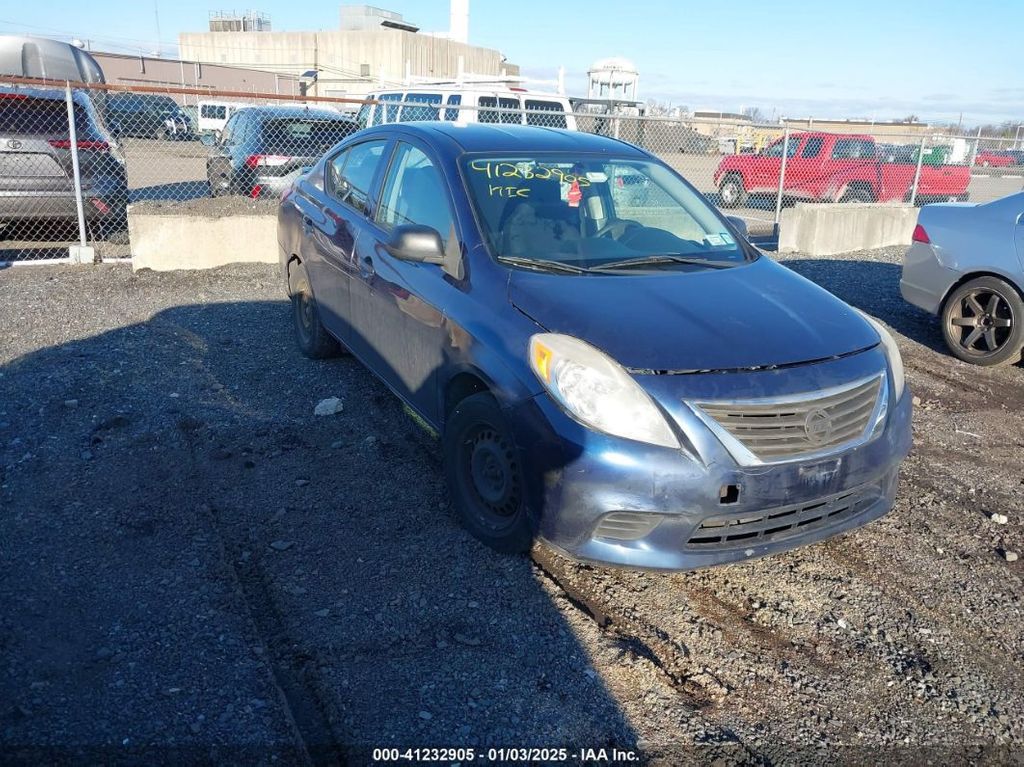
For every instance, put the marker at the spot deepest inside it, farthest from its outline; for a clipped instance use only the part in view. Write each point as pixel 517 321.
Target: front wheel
pixel 856 195
pixel 484 474
pixel 731 192
pixel 983 322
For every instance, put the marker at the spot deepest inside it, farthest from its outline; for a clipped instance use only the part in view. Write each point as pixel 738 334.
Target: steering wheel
pixel 616 228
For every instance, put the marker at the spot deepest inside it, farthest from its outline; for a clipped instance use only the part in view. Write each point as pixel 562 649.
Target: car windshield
pixel 594 213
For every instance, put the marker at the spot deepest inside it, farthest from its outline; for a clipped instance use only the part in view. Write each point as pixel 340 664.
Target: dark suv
pixel 262 149
pixel 145 115
pixel 35 160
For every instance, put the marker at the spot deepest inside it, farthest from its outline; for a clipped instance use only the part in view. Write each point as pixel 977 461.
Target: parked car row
pixel 996 158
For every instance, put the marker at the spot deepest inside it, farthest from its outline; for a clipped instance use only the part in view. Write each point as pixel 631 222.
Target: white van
pixel 213 115
pixel 465 105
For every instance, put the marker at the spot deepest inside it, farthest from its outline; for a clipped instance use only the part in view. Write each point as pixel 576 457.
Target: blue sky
pixel 934 58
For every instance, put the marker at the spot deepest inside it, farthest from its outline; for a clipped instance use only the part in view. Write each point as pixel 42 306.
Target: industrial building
pixel 123 69
pixel 372 47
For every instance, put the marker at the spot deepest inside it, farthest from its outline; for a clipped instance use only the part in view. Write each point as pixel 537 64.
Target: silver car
pixel 966 264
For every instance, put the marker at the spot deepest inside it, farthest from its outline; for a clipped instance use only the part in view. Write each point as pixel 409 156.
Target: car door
pixel 804 168
pixel 767 166
pixel 398 305
pixel 332 219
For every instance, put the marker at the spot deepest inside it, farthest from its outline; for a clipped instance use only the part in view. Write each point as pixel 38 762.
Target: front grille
pixel 777 524
pixel 774 430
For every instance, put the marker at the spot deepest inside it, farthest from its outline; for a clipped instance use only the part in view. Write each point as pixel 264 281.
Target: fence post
pixel 782 176
pixel 917 172
pixel 82 253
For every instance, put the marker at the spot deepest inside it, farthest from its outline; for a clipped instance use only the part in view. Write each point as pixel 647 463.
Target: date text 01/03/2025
pixel 504 754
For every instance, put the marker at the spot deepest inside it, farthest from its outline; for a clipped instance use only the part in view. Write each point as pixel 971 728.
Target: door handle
pixel 366 267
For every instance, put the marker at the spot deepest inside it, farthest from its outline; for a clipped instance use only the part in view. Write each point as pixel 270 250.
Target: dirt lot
pixel 193 566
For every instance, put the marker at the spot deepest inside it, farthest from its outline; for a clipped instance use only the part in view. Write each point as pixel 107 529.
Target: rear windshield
pixel 28 115
pixel 304 136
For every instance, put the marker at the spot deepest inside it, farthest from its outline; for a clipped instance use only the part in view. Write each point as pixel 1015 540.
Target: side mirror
pixel 412 242
pixel 208 139
pixel 739 224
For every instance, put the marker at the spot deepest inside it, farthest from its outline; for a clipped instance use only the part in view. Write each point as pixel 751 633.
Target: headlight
pixel 595 389
pixel 892 352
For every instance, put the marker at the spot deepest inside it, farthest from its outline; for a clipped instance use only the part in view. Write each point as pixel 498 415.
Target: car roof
pixel 506 138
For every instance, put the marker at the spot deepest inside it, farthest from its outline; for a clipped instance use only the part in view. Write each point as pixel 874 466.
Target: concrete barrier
pixel 827 229
pixel 167 238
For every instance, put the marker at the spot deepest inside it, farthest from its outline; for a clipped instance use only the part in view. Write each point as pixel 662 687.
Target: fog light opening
pixel 626 525
pixel 729 494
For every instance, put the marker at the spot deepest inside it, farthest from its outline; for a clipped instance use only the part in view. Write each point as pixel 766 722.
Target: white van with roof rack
pixel 464 105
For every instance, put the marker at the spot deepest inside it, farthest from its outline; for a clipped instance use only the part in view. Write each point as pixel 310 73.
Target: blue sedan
pixel 612 368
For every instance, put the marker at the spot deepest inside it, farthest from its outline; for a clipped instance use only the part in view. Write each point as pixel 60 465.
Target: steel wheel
pixel 982 322
pixel 485 476
pixel 490 470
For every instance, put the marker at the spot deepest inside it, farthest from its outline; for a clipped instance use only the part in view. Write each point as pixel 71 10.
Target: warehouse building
pixel 370 48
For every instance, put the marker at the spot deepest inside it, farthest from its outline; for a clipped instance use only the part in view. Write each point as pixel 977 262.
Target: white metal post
pixel 917 172
pixel 782 175
pixel 83 253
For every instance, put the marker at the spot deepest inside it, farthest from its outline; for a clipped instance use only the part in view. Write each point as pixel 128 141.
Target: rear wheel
pixel 983 322
pixel 731 192
pixel 313 339
pixel 484 475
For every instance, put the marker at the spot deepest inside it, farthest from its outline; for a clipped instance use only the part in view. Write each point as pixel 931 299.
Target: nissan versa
pixel 611 366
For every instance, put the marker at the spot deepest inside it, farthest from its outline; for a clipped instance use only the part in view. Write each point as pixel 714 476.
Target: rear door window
pixel 488 113
pixel 556 118
pixel 350 173
pixel 853 149
pixel 413 111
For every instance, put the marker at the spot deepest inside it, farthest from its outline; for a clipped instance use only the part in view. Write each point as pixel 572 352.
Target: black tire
pixel 313 339
pixel 983 322
pixel 857 195
pixel 731 193
pixel 484 474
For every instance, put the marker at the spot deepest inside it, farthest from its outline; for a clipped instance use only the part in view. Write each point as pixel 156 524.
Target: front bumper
pixel 577 477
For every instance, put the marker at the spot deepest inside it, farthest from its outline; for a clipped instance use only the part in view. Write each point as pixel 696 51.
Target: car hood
pixel 757 315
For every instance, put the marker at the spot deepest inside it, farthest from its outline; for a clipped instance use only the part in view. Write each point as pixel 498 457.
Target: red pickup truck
pixel 830 167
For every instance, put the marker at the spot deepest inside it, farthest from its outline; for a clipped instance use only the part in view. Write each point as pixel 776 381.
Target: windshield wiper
pixel 542 265
pixel 665 258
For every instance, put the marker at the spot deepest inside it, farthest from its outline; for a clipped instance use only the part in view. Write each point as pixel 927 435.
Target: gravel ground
pixel 194 567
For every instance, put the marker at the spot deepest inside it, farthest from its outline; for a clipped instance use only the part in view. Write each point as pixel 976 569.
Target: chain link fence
pixel 152 146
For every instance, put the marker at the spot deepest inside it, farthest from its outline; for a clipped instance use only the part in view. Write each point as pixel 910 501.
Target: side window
pixel 428 111
pixel 415 193
pixel 775 149
pixel 350 173
pixel 488 113
pixel 556 118
pixel 452 115
pixel 813 147
pixel 853 149
pixel 391 110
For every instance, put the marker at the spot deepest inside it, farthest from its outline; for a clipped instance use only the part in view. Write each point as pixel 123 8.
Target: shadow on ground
pixel 192 561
